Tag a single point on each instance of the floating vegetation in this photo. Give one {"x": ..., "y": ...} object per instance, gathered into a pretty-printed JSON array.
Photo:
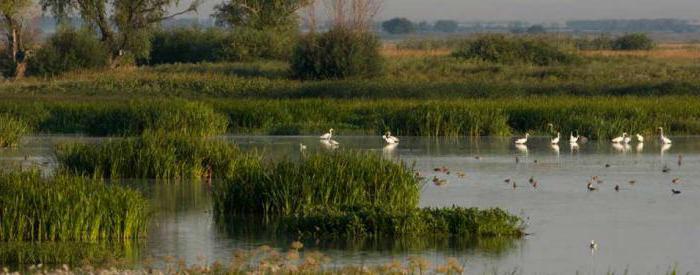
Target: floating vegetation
[
  {"x": 317, "y": 181},
  {"x": 11, "y": 130},
  {"x": 153, "y": 155},
  {"x": 65, "y": 208}
]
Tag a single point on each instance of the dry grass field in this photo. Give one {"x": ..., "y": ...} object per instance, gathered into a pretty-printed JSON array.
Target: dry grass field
[{"x": 663, "y": 51}]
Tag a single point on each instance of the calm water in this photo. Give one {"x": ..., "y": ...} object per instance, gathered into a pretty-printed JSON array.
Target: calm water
[{"x": 642, "y": 228}]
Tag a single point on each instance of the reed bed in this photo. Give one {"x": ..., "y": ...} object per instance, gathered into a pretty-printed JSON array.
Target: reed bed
[
  {"x": 376, "y": 223},
  {"x": 317, "y": 181},
  {"x": 153, "y": 155},
  {"x": 65, "y": 208},
  {"x": 96, "y": 118},
  {"x": 11, "y": 130},
  {"x": 58, "y": 253}
]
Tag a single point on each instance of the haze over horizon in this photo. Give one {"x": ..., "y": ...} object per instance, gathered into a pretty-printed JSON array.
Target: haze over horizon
[{"x": 527, "y": 10}]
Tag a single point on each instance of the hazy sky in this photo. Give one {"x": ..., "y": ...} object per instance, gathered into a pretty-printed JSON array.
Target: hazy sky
[{"x": 531, "y": 10}]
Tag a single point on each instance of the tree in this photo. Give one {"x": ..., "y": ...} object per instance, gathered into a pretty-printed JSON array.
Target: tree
[
  {"x": 634, "y": 41},
  {"x": 123, "y": 25},
  {"x": 260, "y": 14},
  {"x": 398, "y": 26},
  {"x": 13, "y": 14},
  {"x": 536, "y": 29},
  {"x": 446, "y": 26},
  {"x": 423, "y": 26}
]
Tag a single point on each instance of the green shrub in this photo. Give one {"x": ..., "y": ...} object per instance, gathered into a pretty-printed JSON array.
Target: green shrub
[
  {"x": 68, "y": 50},
  {"x": 11, "y": 130},
  {"x": 153, "y": 155},
  {"x": 513, "y": 50},
  {"x": 338, "y": 53},
  {"x": 193, "y": 45},
  {"x": 602, "y": 42},
  {"x": 317, "y": 181},
  {"x": 67, "y": 208},
  {"x": 635, "y": 41}
]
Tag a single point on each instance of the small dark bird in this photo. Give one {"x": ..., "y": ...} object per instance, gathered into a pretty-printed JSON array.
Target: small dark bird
[
  {"x": 448, "y": 172},
  {"x": 534, "y": 184},
  {"x": 632, "y": 182},
  {"x": 666, "y": 169},
  {"x": 515, "y": 185},
  {"x": 607, "y": 165},
  {"x": 531, "y": 180},
  {"x": 436, "y": 169},
  {"x": 477, "y": 157},
  {"x": 590, "y": 187},
  {"x": 535, "y": 161},
  {"x": 517, "y": 160},
  {"x": 507, "y": 180},
  {"x": 680, "y": 160},
  {"x": 675, "y": 192},
  {"x": 676, "y": 181},
  {"x": 617, "y": 188}
]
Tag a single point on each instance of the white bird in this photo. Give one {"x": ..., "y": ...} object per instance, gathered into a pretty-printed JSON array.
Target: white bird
[
  {"x": 390, "y": 139},
  {"x": 620, "y": 138},
  {"x": 556, "y": 139},
  {"x": 302, "y": 147},
  {"x": 333, "y": 142},
  {"x": 522, "y": 140},
  {"x": 328, "y": 135},
  {"x": 663, "y": 139},
  {"x": 593, "y": 245},
  {"x": 640, "y": 138},
  {"x": 627, "y": 140},
  {"x": 573, "y": 139}
]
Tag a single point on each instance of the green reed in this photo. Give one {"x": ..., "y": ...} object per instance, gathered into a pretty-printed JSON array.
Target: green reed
[
  {"x": 74, "y": 253},
  {"x": 68, "y": 208},
  {"x": 11, "y": 130},
  {"x": 153, "y": 155},
  {"x": 320, "y": 180}
]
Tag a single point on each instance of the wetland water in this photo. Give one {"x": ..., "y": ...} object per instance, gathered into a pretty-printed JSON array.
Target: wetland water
[{"x": 643, "y": 228}]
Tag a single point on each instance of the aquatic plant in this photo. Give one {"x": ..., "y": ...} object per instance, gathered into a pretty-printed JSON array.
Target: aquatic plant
[
  {"x": 11, "y": 130},
  {"x": 321, "y": 180},
  {"x": 153, "y": 155},
  {"x": 66, "y": 208}
]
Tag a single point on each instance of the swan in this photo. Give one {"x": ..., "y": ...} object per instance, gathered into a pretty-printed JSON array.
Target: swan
[
  {"x": 556, "y": 139},
  {"x": 522, "y": 140},
  {"x": 390, "y": 139},
  {"x": 663, "y": 139},
  {"x": 640, "y": 138},
  {"x": 620, "y": 138},
  {"x": 302, "y": 147},
  {"x": 573, "y": 139},
  {"x": 328, "y": 135},
  {"x": 333, "y": 142},
  {"x": 627, "y": 140}
]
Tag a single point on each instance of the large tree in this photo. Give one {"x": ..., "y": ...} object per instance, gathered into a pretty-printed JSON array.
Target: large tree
[
  {"x": 398, "y": 26},
  {"x": 260, "y": 14},
  {"x": 123, "y": 24},
  {"x": 13, "y": 14}
]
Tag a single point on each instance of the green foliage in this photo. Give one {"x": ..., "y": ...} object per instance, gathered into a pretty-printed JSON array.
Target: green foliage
[
  {"x": 193, "y": 45},
  {"x": 260, "y": 14},
  {"x": 11, "y": 130},
  {"x": 317, "y": 181},
  {"x": 602, "y": 42},
  {"x": 67, "y": 208},
  {"x": 68, "y": 50},
  {"x": 364, "y": 222},
  {"x": 336, "y": 54},
  {"x": 536, "y": 29},
  {"x": 635, "y": 41},
  {"x": 448, "y": 26},
  {"x": 153, "y": 155},
  {"x": 512, "y": 50},
  {"x": 398, "y": 26},
  {"x": 58, "y": 253}
]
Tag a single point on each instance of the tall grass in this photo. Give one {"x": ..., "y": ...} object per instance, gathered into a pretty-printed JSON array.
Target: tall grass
[
  {"x": 152, "y": 155},
  {"x": 317, "y": 181},
  {"x": 64, "y": 208},
  {"x": 11, "y": 130},
  {"x": 57, "y": 253}
]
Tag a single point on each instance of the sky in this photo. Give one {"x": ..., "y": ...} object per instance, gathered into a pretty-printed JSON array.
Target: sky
[{"x": 529, "y": 10}]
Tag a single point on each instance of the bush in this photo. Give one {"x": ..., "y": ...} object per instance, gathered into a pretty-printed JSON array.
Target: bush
[
  {"x": 193, "y": 45},
  {"x": 338, "y": 53},
  {"x": 68, "y": 50},
  {"x": 512, "y": 50},
  {"x": 11, "y": 130},
  {"x": 398, "y": 26},
  {"x": 596, "y": 44},
  {"x": 631, "y": 42}
]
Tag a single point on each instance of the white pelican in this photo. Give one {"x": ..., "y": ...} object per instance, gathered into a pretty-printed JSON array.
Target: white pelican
[
  {"x": 640, "y": 138},
  {"x": 573, "y": 139},
  {"x": 619, "y": 139},
  {"x": 556, "y": 139},
  {"x": 328, "y": 135},
  {"x": 522, "y": 140},
  {"x": 662, "y": 138}
]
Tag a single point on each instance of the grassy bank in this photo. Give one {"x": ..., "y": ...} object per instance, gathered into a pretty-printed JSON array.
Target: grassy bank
[
  {"x": 11, "y": 130},
  {"x": 153, "y": 155},
  {"x": 72, "y": 253},
  {"x": 318, "y": 181},
  {"x": 66, "y": 208},
  {"x": 596, "y": 117}
]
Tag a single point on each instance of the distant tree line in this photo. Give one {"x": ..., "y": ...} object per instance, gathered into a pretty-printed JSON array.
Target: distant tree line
[
  {"x": 636, "y": 25},
  {"x": 401, "y": 25}
]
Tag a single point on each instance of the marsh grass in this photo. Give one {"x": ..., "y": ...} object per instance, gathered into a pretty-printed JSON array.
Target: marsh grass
[
  {"x": 317, "y": 181},
  {"x": 153, "y": 155},
  {"x": 65, "y": 208},
  {"x": 11, "y": 130},
  {"x": 58, "y": 253}
]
